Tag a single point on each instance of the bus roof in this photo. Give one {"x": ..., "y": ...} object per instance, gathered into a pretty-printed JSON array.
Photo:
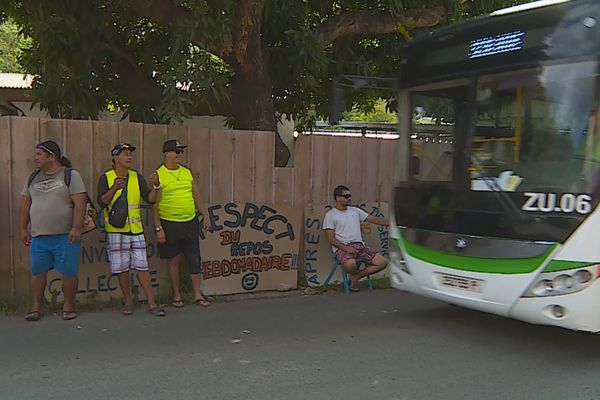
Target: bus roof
[
  {"x": 527, "y": 6},
  {"x": 508, "y": 38}
]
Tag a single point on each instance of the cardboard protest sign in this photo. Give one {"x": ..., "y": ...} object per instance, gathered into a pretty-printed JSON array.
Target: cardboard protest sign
[
  {"x": 250, "y": 247},
  {"x": 95, "y": 278},
  {"x": 318, "y": 254}
]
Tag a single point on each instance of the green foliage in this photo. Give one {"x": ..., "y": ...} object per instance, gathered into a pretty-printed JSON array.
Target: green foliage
[
  {"x": 94, "y": 55},
  {"x": 377, "y": 112},
  {"x": 12, "y": 44}
]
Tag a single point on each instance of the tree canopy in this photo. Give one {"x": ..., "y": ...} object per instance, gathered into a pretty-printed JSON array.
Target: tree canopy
[
  {"x": 248, "y": 60},
  {"x": 12, "y": 44}
]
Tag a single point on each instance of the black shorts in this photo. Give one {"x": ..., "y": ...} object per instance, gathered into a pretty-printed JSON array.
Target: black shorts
[{"x": 182, "y": 237}]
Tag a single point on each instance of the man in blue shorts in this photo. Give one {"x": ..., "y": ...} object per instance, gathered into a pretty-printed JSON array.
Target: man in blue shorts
[{"x": 54, "y": 211}]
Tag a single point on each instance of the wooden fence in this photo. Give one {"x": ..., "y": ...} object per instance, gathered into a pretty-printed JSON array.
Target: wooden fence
[{"x": 229, "y": 165}]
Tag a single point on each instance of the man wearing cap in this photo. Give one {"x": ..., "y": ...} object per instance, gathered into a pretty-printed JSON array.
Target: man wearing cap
[
  {"x": 54, "y": 212},
  {"x": 126, "y": 245},
  {"x": 176, "y": 221}
]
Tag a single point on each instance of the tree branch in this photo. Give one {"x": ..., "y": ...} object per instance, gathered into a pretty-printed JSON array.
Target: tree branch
[
  {"x": 372, "y": 24},
  {"x": 170, "y": 15},
  {"x": 163, "y": 12},
  {"x": 213, "y": 109}
]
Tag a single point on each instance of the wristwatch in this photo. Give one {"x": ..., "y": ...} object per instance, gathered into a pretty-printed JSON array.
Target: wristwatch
[{"x": 158, "y": 228}]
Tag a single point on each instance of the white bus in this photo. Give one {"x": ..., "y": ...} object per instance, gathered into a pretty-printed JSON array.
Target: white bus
[{"x": 495, "y": 208}]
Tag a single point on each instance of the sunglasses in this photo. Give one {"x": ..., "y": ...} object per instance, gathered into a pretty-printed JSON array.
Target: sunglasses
[
  {"x": 346, "y": 196},
  {"x": 47, "y": 150},
  {"x": 178, "y": 151}
]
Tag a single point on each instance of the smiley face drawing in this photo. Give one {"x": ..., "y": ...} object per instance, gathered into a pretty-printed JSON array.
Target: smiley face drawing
[{"x": 250, "y": 281}]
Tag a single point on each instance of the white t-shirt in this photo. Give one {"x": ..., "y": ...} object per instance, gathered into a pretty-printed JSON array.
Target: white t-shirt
[{"x": 345, "y": 224}]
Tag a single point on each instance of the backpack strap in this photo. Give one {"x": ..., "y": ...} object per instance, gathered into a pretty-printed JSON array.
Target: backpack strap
[
  {"x": 68, "y": 171},
  {"x": 35, "y": 173},
  {"x": 32, "y": 176}
]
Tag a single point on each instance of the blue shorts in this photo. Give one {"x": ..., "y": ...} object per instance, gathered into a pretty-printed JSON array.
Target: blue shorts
[{"x": 54, "y": 251}]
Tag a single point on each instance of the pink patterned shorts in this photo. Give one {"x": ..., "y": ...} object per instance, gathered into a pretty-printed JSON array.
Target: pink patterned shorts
[{"x": 363, "y": 253}]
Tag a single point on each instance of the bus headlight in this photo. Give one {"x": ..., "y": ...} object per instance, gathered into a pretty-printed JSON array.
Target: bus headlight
[
  {"x": 562, "y": 282},
  {"x": 582, "y": 276},
  {"x": 541, "y": 287}
]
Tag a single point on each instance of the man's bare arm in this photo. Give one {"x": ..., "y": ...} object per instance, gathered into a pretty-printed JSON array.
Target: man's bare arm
[
  {"x": 377, "y": 220},
  {"x": 24, "y": 219}
]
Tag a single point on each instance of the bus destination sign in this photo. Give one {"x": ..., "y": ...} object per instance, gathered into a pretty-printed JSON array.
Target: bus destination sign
[{"x": 497, "y": 44}]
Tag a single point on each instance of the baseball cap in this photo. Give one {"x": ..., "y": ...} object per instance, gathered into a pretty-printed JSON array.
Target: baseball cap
[
  {"x": 120, "y": 147},
  {"x": 50, "y": 146},
  {"x": 172, "y": 145}
]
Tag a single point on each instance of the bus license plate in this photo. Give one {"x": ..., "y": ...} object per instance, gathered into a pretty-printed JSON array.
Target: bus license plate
[{"x": 460, "y": 282}]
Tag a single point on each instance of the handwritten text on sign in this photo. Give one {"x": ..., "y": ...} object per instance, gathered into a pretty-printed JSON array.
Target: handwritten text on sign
[{"x": 250, "y": 247}]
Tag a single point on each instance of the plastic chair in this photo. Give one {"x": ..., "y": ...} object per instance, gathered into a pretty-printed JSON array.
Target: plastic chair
[{"x": 345, "y": 277}]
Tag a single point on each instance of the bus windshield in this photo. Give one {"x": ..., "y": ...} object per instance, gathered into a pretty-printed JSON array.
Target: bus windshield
[
  {"x": 513, "y": 154},
  {"x": 535, "y": 130}
]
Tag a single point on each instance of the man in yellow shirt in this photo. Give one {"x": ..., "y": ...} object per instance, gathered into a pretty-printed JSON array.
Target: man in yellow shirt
[{"x": 176, "y": 220}]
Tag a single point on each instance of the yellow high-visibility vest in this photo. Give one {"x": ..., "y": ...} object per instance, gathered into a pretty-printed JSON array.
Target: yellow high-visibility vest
[{"x": 134, "y": 215}]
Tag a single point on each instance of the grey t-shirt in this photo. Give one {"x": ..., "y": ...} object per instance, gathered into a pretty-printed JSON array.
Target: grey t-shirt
[{"x": 51, "y": 211}]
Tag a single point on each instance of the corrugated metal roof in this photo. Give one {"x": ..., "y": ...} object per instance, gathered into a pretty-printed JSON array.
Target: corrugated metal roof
[{"x": 15, "y": 81}]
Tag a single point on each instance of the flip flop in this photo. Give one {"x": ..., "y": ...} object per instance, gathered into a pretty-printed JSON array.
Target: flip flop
[
  {"x": 127, "y": 309},
  {"x": 69, "y": 315},
  {"x": 352, "y": 287},
  {"x": 157, "y": 311},
  {"x": 177, "y": 304},
  {"x": 202, "y": 302},
  {"x": 33, "y": 316}
]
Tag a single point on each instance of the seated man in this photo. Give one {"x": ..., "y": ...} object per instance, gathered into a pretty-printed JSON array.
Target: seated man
[{"x": 342, "y": 227}]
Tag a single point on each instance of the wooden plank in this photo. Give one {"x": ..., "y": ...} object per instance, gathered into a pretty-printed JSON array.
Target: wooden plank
[
  {"x": 388, "y": 165},
  {"x": 51, "y": 129},
  {"x": 321, "y": 164},
  {"x": 199, "y": 152},
  {"x": 284, "y": 186},
  {"x": 338, "y": 172},
  {"x": 104, "y": 138},
  {"x": 264, "y": 162},
  {"x": 79, "y": 150},
  {"x": 356, "y": 164},
  {"x": 302, "y": 171},
  {"x": 6, "y": 211},
  {"x": 371, "y": 169},
  {"x": 222, "y": 165},
  {"x": 243, "y": 166},
  {"x": 132, "y": 133},
  {"x": 23, "y": 140},
  {"x": 152, "y": 154}
]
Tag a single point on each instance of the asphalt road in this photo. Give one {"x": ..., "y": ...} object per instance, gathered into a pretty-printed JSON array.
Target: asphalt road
[{"x": 375, "y": 345}]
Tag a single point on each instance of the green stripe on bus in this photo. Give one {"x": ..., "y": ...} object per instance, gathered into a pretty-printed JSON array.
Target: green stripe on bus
[
  {"x": 562, "y": 265},
  {"x": 477, "y": 264}
]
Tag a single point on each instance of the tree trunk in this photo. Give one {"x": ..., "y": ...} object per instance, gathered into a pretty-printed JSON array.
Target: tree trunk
[{"x": 251, "y": 88}]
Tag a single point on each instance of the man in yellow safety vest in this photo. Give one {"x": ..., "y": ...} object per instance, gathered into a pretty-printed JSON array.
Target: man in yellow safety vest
[{"x": 126, "y": 243}]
